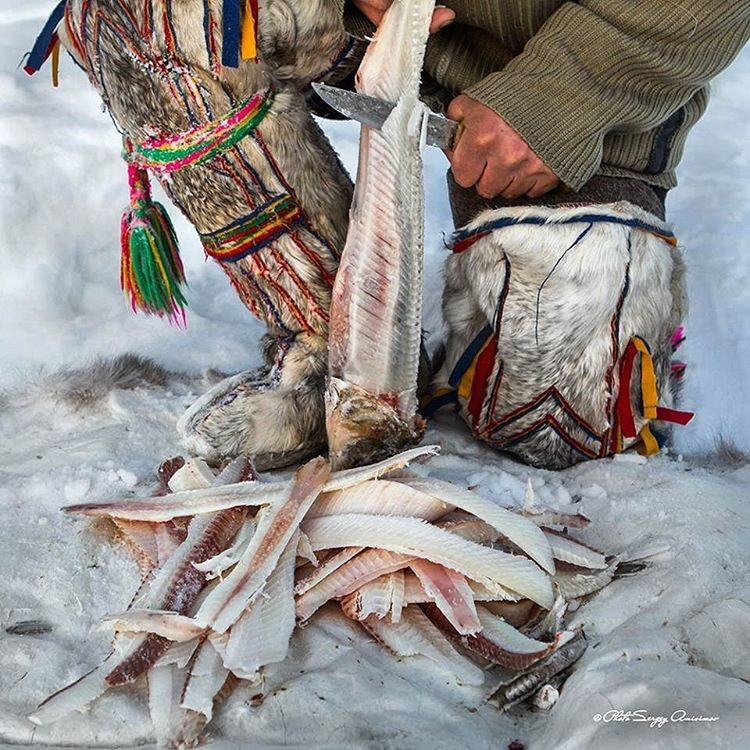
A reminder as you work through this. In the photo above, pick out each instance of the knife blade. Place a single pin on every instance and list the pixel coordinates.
(373, 112)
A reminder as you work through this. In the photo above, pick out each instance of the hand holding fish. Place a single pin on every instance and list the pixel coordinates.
(374, 10)
(491, 156)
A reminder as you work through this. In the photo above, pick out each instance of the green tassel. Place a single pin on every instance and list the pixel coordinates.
(151, 273)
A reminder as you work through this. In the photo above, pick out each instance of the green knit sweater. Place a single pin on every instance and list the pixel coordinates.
(595, 87)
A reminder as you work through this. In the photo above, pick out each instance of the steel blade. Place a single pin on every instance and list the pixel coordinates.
(373, 112)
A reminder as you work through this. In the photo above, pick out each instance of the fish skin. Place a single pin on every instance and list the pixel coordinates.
(182, 589)
(526, 684)
(376, 310)
(486, 644)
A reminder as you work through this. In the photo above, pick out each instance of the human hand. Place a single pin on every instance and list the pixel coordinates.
(374, 10)
(491, 156)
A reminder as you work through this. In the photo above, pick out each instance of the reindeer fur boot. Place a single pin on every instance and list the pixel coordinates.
(234, 147)
(560, 330)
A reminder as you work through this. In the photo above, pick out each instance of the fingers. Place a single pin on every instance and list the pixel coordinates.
(457, 108)
(494, 182)
(514, 184)
(467, 161)
(507, 172)
(374, 10)
(543, 186)
(492, 157)
(441, 18)
(495, 176)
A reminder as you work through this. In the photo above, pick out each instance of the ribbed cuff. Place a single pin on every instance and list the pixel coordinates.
(553, 128)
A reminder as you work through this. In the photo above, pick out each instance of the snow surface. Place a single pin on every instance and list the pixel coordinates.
(674, 637)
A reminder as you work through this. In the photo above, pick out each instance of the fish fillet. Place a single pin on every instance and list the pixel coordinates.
(276, 525)
(376, 311)
(215, 566)
(175, 587)
(398, 595)
(261, 636)
(522, 532)
(373, 598)
(451, 593)
(411, 536)
(576, 583)
(358, 571)
(178, 584)
(177, 628)
(330, 565)
(206, 676)
(247, 493)
(576, 553)
(415, 635)
(381, 498)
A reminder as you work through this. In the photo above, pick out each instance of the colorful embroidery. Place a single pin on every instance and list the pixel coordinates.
(254, 231)
(463, 239)
(205, 142)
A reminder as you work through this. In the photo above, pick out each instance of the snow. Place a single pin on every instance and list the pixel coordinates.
(671, 638)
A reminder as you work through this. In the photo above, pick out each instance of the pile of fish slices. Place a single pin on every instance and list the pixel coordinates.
(231, 565)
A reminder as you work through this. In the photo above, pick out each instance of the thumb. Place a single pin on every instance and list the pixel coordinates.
(457, 108)
(441, 18)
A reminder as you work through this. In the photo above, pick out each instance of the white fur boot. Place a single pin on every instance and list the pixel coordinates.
(560, 330)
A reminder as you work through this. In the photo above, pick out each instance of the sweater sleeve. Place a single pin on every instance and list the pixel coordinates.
(600, 66)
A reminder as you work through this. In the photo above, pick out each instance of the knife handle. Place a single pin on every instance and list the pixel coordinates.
(460, 128)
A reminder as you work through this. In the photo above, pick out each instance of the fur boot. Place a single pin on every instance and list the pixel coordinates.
(566, 308)
(272, 209)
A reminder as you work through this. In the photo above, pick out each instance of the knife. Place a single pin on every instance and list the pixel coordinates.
(373, 112)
